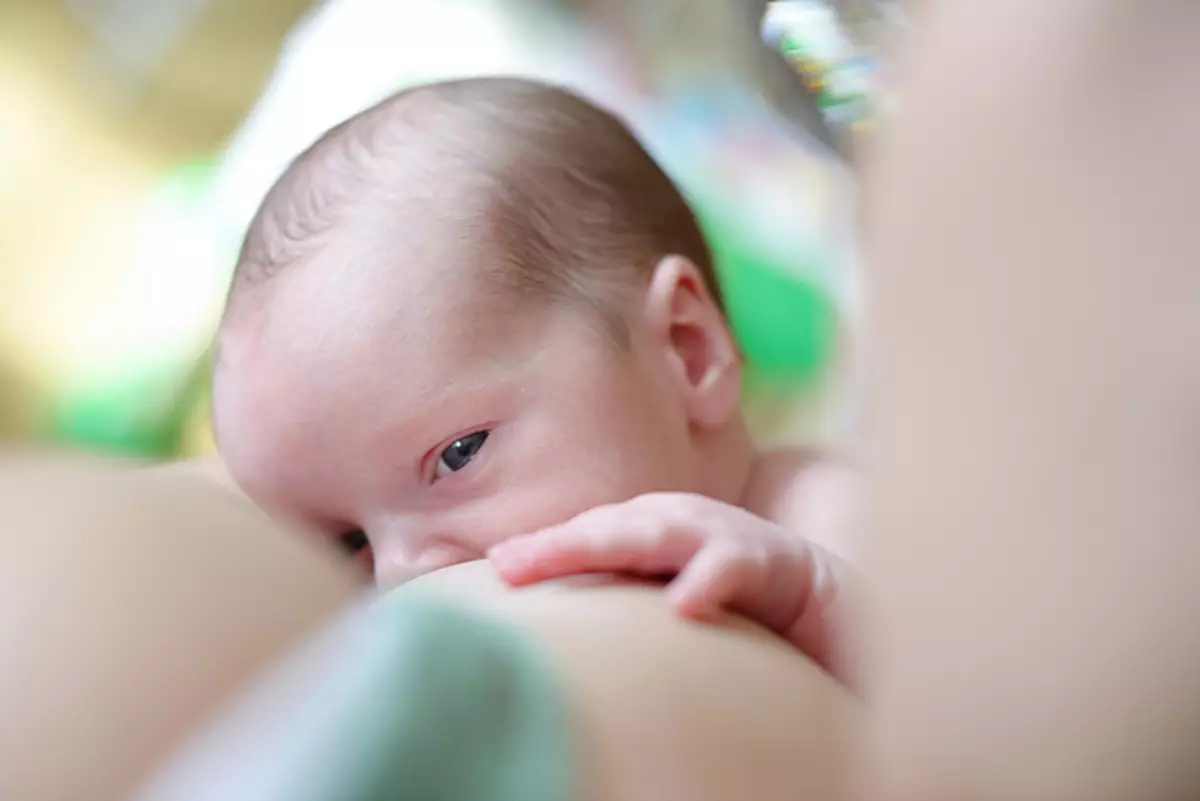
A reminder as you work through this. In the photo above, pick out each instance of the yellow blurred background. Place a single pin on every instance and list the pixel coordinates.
(137, 135)
(98, 101)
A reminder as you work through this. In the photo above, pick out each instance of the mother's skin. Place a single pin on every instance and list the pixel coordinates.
(1036, 523)
(138, 600)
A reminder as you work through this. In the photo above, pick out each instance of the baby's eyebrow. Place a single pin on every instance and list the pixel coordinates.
(481, 393)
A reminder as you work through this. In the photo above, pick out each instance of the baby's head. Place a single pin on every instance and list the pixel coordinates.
(471, 311)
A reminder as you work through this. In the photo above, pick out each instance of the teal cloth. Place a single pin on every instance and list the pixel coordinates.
(410, 699)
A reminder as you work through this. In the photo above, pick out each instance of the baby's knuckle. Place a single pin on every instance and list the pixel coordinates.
(608, 517)
(676, 538)
(743, 552)
(687, 508)
(759, 554)
(738, 559)
(651, 503)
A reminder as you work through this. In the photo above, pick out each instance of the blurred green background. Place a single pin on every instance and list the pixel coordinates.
(136, 137)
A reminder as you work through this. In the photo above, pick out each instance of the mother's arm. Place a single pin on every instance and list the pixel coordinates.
(1034, 456)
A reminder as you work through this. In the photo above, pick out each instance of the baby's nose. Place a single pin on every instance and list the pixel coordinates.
(397, 561)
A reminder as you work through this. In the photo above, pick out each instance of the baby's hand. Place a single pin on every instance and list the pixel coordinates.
(721, 556)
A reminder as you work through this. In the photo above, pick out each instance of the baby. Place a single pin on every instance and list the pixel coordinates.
(477, 320)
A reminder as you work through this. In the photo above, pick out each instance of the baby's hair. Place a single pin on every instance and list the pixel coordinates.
(559, 191)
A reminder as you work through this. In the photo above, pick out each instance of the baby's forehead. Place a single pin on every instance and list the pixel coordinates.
(382, 343)
(427, 301)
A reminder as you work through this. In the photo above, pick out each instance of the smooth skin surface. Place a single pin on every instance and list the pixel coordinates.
(408, 400)
(1032, 449)
(147, 598)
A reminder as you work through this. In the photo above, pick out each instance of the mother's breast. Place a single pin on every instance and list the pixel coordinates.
(665, 708)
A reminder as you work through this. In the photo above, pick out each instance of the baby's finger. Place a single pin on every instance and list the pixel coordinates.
(593, 546)
(817, 629)
(713, 579)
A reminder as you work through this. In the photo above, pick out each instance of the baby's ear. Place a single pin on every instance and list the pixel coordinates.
(688, 326)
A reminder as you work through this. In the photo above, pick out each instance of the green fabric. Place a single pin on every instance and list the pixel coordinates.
(473, 713)
(406, 700)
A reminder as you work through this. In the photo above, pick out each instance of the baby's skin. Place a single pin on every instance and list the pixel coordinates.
(398, 386)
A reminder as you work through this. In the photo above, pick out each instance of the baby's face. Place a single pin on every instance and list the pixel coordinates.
(436, 417)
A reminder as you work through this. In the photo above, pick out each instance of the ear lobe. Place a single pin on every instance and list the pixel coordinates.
(699, 352)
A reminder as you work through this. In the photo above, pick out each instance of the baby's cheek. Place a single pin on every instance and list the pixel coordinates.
(563, 476)
(515, 515)
(561, 502)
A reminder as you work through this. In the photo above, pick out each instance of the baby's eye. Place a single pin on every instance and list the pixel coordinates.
(353, 542)
(459, 453)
